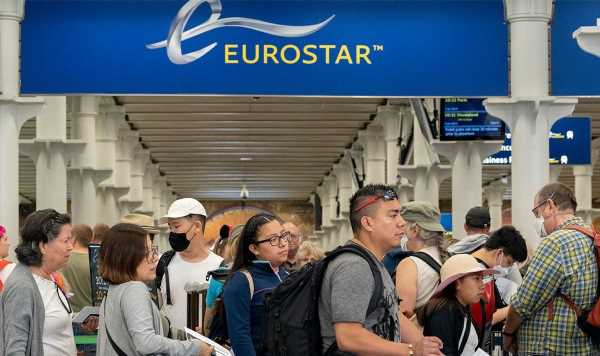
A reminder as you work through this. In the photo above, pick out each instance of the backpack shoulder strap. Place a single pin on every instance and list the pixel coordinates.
(465, 334)
(431, 262)
(110, 339)
(246, 273)
(162, 270)
(582, 230)
(362, 252)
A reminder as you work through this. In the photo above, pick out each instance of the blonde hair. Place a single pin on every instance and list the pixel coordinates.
(432, 238)
(309, 250)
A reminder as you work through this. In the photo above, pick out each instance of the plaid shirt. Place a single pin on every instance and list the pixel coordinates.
(564, 262)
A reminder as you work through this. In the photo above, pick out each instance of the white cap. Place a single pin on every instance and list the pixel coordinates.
(185, 207)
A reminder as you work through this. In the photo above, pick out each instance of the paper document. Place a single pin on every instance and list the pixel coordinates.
(219, 350)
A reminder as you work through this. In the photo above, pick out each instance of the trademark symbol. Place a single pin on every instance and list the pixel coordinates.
(378, 48)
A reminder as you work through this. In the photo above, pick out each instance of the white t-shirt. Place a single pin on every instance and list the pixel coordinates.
(180, 273)
(58, 337)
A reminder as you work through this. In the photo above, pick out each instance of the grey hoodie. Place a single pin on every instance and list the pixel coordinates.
(468, 244)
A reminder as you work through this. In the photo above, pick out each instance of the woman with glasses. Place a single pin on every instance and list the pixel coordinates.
(35, 315)
(261, 251)
(130, 323)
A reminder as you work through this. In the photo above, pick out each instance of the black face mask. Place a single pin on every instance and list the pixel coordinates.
(179, 241)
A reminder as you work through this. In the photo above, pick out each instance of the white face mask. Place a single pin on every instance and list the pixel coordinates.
(538, 225)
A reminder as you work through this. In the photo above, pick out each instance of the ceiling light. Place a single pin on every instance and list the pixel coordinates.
(245, 158)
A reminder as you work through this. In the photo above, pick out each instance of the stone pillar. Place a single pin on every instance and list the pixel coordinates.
(14, 111)
(84, 111)
(530, 112)
(128, 140)
(583, 188)
(141, 158)
(466, 158)
(148, 204)
(494, 193)
(426, 173)
(326, 227)
(156, 195)
(554, 172)
(373, 143)
(390, 118)
(405, 190)
(51, 151)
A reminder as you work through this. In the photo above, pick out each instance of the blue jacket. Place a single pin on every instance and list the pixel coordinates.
(245, 316)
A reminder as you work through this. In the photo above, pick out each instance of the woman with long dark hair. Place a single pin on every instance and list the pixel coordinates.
(261, 251)
(447, 315)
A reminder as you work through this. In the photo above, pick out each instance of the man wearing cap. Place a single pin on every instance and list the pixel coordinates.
(348, 283)
(477, 227)
(189, 260)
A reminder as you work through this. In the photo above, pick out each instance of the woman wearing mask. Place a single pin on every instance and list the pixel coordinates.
(447, 314)
(132, 325)
(35, 314)
(261, 251)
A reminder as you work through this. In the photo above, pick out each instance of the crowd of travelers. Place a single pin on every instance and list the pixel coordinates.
(399, 286)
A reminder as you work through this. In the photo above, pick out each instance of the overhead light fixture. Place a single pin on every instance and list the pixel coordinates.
(245, 158)
(244, 193)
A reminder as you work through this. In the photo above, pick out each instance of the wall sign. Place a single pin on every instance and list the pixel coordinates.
(262, 47)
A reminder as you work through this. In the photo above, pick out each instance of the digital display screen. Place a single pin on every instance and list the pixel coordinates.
(465, 119)
(570, 143)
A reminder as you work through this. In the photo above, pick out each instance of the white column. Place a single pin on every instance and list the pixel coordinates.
(343, 171)
(494, 193)
(141, 158)
(50, 152)
(326, 227)
(467, 191)
(148, 205)
(554, 172)
(583, 188)
(156, 195)
(426, 174)
(14, 111)
(128, 140)
(530, 113)
(83, 111)
(389, 117)
(405, 190)
(373, 143)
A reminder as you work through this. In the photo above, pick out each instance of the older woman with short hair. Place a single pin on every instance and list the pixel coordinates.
(130, 323)
(35, 315)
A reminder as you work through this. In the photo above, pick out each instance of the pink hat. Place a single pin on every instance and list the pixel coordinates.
(2, 230)
(457, 267)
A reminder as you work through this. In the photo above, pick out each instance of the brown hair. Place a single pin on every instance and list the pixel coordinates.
(560, 194)
(100, 231)
(123, 249)
(596, 223)
(82, 234)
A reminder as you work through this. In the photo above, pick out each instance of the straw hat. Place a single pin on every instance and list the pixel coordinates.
(141, 220)
(457, 267)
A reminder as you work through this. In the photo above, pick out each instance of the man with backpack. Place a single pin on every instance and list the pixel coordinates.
(189, 260)
(562, 278)
(350, 321)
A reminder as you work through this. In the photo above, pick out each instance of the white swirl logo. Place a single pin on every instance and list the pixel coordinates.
(178, 34)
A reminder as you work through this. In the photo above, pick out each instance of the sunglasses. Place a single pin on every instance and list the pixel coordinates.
(388, 195)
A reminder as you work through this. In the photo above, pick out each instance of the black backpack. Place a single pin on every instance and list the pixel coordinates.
(292, 309)
(162, 270)
(393, 258)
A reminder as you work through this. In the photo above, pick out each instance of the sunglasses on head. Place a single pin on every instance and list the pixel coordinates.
(388, 195)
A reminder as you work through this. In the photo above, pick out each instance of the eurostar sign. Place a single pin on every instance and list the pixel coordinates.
(265, 47)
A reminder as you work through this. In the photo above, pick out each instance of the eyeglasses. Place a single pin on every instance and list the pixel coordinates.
(275, 240)
(152, 254)
(535, 209)
(62, 296)
(388, 195)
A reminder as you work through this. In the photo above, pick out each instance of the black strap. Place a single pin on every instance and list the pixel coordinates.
(168, 286)
(431, 262)
(110, 339)
(162, 269)
(465, 335)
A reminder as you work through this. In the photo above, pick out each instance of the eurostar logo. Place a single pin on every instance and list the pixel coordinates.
(178, 33)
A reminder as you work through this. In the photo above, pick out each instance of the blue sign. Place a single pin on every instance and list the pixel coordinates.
(570, 143)
(265, 47)
(467, 119)
(574, 71)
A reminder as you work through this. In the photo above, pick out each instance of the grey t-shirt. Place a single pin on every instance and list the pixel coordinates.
(347, 288)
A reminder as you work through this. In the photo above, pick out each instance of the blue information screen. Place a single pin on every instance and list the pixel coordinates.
(570, 143)
(466, 119)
